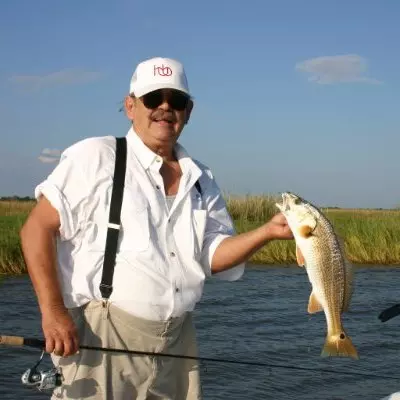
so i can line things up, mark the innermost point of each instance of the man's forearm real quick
(39, 249)
(237, 249)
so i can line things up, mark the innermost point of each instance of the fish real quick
(321, 252)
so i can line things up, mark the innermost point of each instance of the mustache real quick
(162, 114)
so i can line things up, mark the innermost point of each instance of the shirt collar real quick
(147, 157)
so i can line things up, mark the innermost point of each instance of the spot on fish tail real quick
(339, 345)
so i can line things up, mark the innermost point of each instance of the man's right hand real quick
(59, 331)
(38, 240)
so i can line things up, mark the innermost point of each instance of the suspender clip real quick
(106, 291)
(114, 226)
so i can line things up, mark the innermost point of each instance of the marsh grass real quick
(370, 236)
(11, 261)
(12, 216)
(11, 208)
(251, 208)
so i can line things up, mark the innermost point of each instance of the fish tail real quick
(339, 345)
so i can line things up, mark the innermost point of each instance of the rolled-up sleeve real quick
(219, 226)
(66, 188)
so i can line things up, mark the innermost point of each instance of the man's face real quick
(159, 115)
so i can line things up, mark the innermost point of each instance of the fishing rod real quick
(38, 343)
(389, 313)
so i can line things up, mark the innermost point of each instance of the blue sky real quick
(290, 95)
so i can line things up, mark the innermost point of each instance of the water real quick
(261, 318)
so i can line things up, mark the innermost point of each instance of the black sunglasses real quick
(176, 100)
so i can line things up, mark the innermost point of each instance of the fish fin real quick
(305, 231)
(300, 258)
(314, 305)
(339, 345)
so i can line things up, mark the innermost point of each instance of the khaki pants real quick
(96, 375)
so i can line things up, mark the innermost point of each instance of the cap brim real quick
(151, 88)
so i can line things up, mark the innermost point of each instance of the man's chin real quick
(166, 135)
(164, 130)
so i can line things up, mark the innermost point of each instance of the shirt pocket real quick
(199, 226)
(134, 235)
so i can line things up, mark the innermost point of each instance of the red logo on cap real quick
(162, 71)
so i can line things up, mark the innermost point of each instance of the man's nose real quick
(165, 105)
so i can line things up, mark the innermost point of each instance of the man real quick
(175, 231)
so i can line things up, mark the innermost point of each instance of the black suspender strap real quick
(198, 187)
(114, 220)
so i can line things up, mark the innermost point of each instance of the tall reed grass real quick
(12, 216)
(370, 236)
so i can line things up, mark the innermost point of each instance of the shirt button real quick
(157, 187)
(172, 254)
(176, 290)
(158, 159)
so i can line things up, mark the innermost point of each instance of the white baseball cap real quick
(158, 73)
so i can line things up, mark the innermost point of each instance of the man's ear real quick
(130, 107)
(189, 111)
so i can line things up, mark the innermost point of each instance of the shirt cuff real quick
(60, 203)
(231, 274)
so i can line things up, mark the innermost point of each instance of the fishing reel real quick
(42, 380)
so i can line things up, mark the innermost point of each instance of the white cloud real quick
(63, 77)
(51, 152)
(45, 159)
(336, 69)
(49, 155)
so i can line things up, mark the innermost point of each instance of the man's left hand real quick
(278, 228)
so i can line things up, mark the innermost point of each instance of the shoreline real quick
(371, 236)
(23, 272)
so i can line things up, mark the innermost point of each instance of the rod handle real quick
(12, 340)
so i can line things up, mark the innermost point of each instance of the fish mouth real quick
(288, 199)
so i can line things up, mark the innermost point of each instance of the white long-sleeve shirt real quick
(164, 255)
